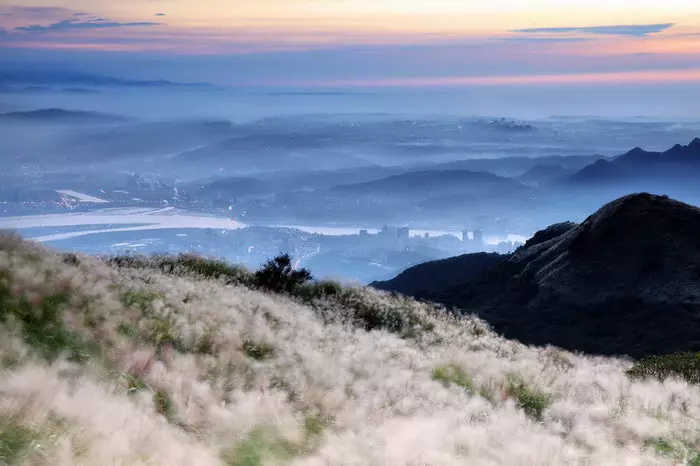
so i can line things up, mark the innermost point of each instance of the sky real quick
(437, 44)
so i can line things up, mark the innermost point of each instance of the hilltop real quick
(181, 360)
(621, 282)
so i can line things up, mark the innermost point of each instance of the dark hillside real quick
(625, 281)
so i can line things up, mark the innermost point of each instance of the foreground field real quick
(156, 362)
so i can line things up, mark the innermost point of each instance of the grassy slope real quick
(171, 369)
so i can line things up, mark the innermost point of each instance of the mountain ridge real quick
(638, 163)
(612, 284)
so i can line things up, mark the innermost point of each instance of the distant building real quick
(478, 237)
(389, 232)
(364, 233)
(403, 233)
(465, 236)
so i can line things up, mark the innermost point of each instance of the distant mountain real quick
(253, 151)
(518, 166)
(139, 139)
(624, 281)
(679, 160)
(600, 171)
(46, 89)
(689, 154)
(61, 116)
(24, 77)
(425, 184)
(232, 187)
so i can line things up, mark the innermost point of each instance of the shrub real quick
(212, 268)
(392, 317)
(324, 289)
(684, 366)
(257, 351)
(529, 399)
(70, 258)
(279, 276)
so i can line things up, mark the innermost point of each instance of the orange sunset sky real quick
(428, 42)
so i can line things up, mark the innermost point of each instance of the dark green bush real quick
(278, 275)
(257, 351)
(684, 366)
(71, 259)
(309, 292)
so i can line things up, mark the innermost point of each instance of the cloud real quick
(161, 14)
(36, 12)
(543, 39)
(633, 30)
(73, 24)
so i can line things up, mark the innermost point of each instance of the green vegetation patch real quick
(141, 300)
(455, 375)
(324, 289)
(451, 374)
(530, 399)
(677, 450)
(164, 405)
(261, 445)
(384, 316)
(188, 263)
(257, 351)
(684, 366)
(15, 442)
(314, 426)
(42, 325)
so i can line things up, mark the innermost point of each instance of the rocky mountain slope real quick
(624, 281)
(158, 362)
(420, 281)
